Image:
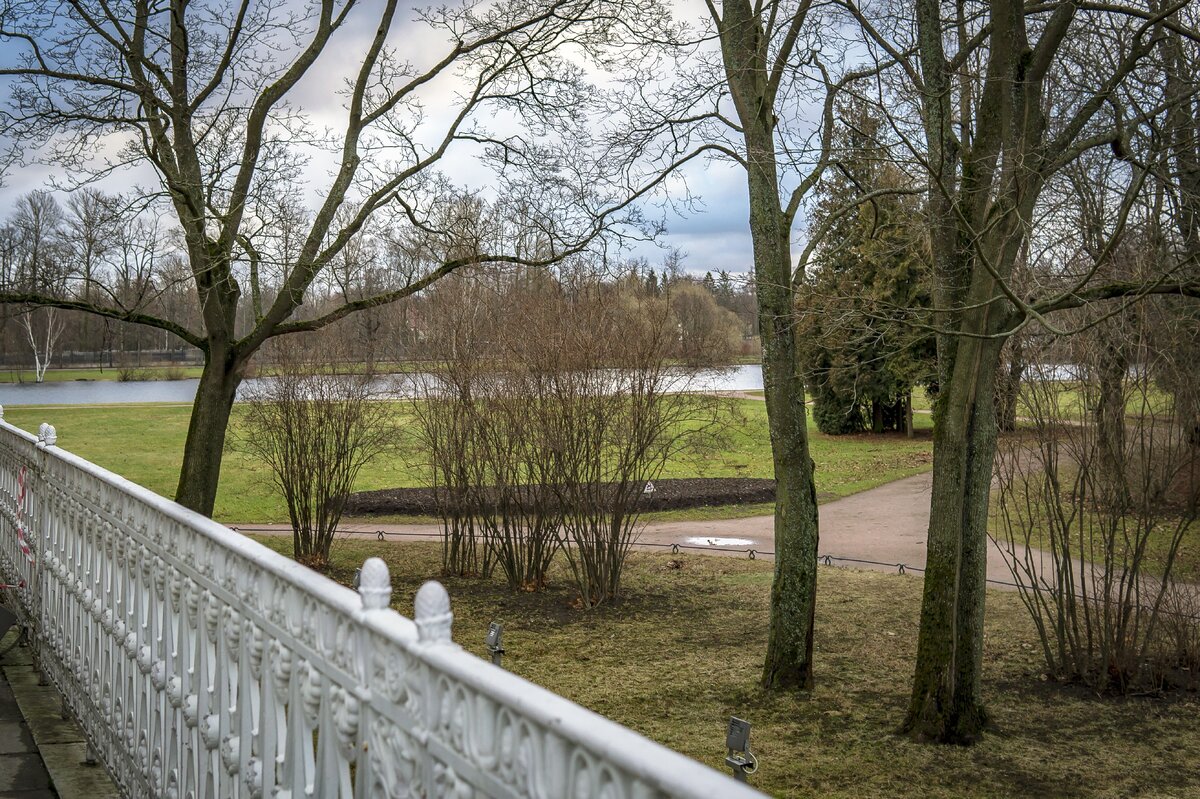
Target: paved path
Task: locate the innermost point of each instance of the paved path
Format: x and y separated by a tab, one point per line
22	772
887	524
41	754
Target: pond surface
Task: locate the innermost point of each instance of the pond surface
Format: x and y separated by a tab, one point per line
103	392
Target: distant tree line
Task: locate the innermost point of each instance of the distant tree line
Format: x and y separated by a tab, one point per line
99	248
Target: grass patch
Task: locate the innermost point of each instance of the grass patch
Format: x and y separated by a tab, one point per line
145	444
670	662
710	513
845	464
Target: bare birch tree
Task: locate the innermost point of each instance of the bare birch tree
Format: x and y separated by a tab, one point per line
42	266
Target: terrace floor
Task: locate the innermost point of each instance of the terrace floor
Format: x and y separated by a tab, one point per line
41	754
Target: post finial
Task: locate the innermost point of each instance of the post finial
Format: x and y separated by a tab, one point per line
375	584
47	434
432	611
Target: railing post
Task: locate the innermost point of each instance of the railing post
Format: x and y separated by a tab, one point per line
431	612
375	584
47	437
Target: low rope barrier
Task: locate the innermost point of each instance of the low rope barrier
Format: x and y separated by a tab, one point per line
751	554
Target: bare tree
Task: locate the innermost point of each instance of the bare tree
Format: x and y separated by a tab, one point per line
707	333
555	404
455	346
613	412
1004	98
42	266
206	94
92	231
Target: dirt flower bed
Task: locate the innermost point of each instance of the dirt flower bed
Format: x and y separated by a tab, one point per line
667	495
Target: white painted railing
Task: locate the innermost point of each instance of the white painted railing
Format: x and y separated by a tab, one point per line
202	664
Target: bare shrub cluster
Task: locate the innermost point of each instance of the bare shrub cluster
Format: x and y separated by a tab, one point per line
1095	502
315	417
554	404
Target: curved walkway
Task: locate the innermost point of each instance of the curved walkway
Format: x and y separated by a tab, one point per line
886	524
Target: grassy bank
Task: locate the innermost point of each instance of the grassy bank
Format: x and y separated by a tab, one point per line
682	652
107	374
145	444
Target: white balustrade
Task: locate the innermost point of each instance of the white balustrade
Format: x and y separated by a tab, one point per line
202	664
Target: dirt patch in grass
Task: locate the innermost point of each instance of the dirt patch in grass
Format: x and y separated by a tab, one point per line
670	494
683	651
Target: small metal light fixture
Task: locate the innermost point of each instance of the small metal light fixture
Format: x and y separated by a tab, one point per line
738	755
495	631
357	579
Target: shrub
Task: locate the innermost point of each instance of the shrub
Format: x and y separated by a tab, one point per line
315	428
1092	517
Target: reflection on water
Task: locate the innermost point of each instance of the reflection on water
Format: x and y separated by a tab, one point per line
87	392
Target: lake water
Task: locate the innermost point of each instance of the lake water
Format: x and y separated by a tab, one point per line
95	392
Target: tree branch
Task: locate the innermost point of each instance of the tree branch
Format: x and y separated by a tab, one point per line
1118	290
119	314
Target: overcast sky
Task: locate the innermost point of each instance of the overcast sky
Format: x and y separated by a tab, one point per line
712	236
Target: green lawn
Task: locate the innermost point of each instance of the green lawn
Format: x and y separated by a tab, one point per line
845	464
1070	402
682	652
145	444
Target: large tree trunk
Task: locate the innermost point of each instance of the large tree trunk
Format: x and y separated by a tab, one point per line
789	661
1182	128
205	444
794	591
946	701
